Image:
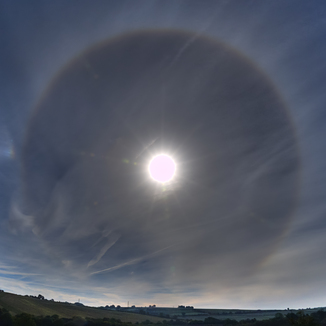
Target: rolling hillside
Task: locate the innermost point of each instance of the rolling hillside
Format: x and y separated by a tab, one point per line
17	304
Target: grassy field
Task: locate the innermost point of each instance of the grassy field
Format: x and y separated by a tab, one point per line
237	314
234	315
201	314
17	304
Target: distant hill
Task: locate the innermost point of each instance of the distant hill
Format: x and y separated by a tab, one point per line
17	304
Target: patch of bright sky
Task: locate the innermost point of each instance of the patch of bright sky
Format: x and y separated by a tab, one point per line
6	145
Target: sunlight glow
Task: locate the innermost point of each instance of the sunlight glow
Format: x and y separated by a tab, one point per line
162	168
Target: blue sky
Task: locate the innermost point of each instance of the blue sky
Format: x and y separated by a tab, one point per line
247	228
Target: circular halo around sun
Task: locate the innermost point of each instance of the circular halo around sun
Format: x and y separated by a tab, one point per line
162	168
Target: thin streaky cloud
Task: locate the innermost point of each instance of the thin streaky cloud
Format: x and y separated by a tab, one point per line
131	262
103	251
17	273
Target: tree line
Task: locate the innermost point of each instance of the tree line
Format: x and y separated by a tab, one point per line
297	319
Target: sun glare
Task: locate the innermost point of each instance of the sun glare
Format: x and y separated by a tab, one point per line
162	168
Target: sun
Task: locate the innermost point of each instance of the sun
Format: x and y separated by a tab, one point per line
162	168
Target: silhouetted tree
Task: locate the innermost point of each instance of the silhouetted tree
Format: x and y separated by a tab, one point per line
24	320
49	321
301	318
5	318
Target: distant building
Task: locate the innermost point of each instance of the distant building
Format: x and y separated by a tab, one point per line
181	307
189	307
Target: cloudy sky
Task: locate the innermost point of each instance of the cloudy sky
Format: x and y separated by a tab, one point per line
233	91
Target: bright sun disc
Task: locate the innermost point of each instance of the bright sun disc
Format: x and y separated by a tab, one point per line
162	168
